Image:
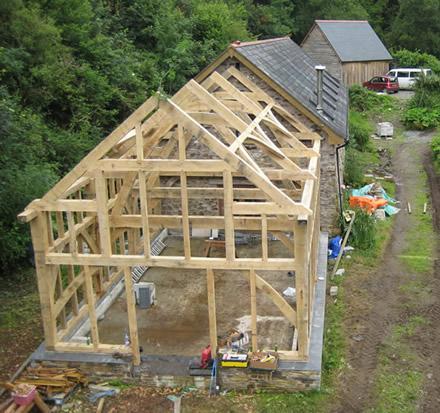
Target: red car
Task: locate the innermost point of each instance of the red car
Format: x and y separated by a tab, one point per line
382	84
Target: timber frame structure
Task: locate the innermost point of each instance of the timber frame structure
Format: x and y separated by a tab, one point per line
99	220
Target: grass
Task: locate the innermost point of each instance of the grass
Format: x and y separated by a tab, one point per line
19	301
399	381
420	237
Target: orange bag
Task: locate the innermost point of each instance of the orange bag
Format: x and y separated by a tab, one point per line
369	204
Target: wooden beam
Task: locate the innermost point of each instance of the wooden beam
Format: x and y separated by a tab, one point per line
302	285
91	307
144	213
161	165
171	261
253	288
212	311
264	246
132	321
279	223
71	205
103	218
40	244
229	216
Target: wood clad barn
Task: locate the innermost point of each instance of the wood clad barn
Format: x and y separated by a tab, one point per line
350	50
235	155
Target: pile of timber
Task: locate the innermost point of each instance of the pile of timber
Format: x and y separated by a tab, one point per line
53	382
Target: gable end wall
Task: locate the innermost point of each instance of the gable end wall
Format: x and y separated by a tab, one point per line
319	49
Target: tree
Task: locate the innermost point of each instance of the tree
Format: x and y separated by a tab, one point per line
417	26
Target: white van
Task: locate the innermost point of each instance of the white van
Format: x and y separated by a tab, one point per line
408	76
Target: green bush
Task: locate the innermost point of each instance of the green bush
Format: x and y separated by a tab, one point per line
426	93
364	100
407	58
423	109
421	118
363	233
353	171
360	131
435	147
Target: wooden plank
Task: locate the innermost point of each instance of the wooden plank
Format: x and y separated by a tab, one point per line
253	287
73	245
279	223
280	264
184	194
68	347
144	213
214	193
229	218
162	165
264	246
132	321
73	205
257	208
139	142
40	244
212	313
301	285
91	307
103	218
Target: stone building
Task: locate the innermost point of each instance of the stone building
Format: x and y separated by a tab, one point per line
350	50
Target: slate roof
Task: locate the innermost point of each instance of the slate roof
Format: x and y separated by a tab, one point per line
286	64
353	41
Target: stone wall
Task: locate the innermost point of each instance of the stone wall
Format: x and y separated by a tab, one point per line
238	379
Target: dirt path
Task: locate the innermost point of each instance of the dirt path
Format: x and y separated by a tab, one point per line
375	300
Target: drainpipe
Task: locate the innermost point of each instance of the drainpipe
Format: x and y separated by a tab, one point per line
338	148
319	83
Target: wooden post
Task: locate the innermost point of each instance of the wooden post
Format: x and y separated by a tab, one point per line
144	213
91	306
301	285
139	141
212	311
253	285
229	218
132	321
44	278
104	226
264	249
184	195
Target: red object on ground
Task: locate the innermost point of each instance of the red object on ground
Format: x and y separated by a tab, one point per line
382	84
25	399
369	204
206	357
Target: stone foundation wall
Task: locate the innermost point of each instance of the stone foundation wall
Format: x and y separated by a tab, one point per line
237	379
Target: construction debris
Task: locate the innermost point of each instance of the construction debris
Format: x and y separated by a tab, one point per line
334	291
54	384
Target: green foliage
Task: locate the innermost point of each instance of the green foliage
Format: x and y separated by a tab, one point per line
408	58
363	233
421	118
360	131
423	109
435	147
353	171
417	26
364	100
271	18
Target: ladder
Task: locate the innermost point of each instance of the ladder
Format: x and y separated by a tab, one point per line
137	272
